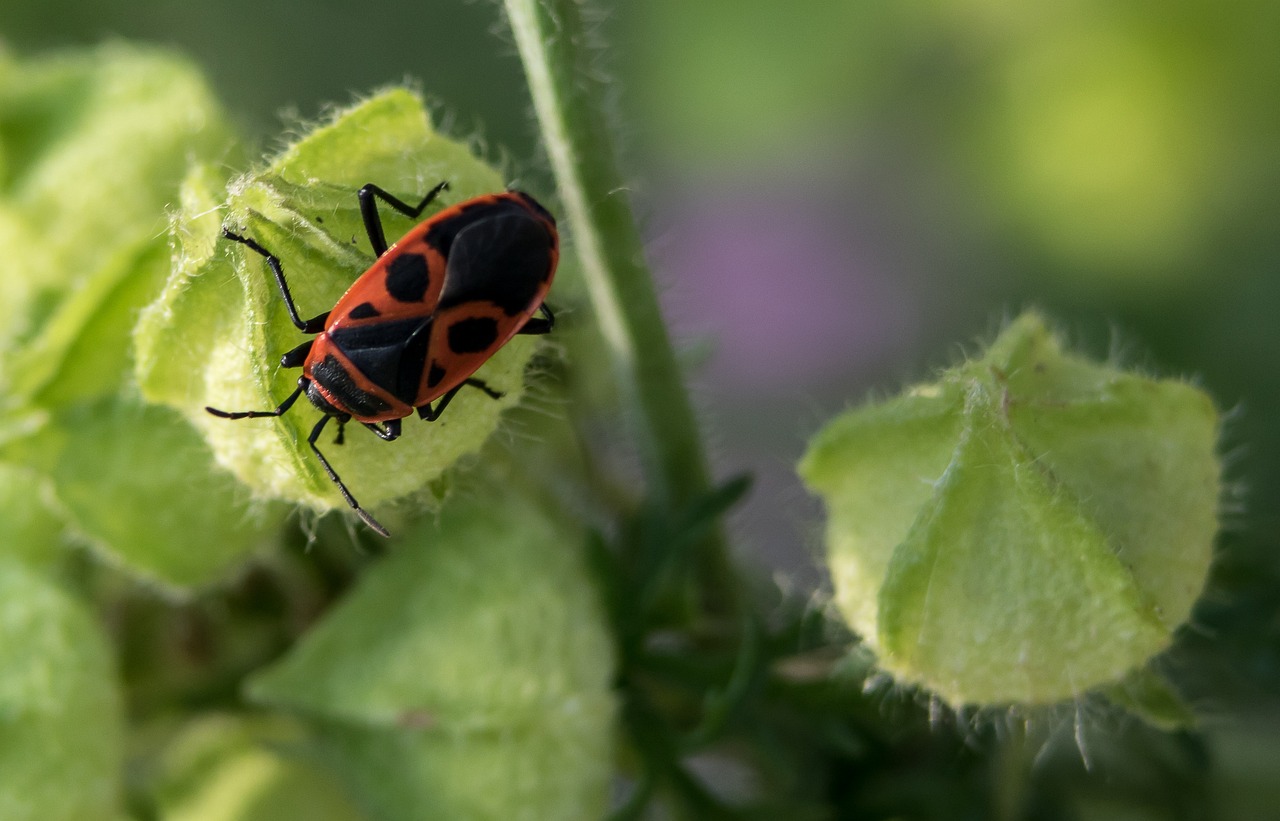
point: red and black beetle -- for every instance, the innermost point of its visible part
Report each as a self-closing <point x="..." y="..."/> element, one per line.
<point x="431" y="309"/>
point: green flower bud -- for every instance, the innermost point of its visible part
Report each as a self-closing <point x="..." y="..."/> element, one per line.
<point x="468" y="675"/>
<point x="1028" y="527"/>
<point x="216" y="334"/>
<point x="61" y="720"/>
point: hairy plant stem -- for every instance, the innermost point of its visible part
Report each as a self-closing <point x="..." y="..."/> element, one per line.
<point x="567" y="96"/>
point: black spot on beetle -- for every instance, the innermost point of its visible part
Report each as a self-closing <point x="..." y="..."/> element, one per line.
<point x="473" y="335"/>
<point x="504" y="258"/>
<point x="436" y="375"/>
<point x="407" y="277"/>
<point x="364" y="310"/>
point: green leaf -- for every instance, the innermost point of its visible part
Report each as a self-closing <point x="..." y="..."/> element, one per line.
<point x="216" y="334"/>
<point x="134" y="481"/>
<point x="148" y="497"/>
<point x="85" y="249"/>
<point x="82" y="352"/>
<point x="61" y="719"/>
<point x="185" y="325"/>
<point x="228" y="769"/>
<point x="94" y="143"/>
<point x="30" y="528"/>
<point x="1149" y="694"/>
<point x="476" y="649"/>
<point x="1031" y="526"/>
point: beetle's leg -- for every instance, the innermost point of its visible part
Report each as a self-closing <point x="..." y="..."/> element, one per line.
<point x="389" y="432"/>
<point x="539" y="325"/>
<point x="341" y="438"/>
<point x="479" y="383"/>
<point x="373" y="223"/>
<point x="431" y="414"/>
<point x="308" y="326"/>
<point x="346" y="494"/>
<point x="279" y="411"/>
<point x="297" y="357"/>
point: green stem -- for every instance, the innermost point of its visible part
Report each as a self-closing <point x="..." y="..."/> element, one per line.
<point x="567" y="97"/>
<point x="549" y="35"/>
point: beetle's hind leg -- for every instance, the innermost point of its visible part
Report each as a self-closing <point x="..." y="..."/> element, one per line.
<point x="346" y="494"/>
<point x="431" y="414"/>
<point x="539" y="325"/>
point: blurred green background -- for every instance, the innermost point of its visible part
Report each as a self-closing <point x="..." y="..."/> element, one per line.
<point x="840" y="195"/>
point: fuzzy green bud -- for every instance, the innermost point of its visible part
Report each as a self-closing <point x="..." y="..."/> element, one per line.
<point x="1030" y="526"/>
<point x="216" y="334"/>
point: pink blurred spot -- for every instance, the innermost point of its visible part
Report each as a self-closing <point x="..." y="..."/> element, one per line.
<point x="781" y="283"/>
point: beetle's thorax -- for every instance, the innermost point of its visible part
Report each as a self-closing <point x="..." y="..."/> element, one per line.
<point x="338" y="385"/>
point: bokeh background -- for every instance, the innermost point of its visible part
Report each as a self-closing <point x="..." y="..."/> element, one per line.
<point x="839" y="196"/>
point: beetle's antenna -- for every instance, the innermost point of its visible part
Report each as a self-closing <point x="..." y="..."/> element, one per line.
<point x="279" y="411"/>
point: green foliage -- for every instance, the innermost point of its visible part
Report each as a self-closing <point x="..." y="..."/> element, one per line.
<point x="87" y="251"/>
<point x="84" y="453"/>
<point x="467" y="675"/>
<point x="222" y="768"/>
<point x="30" y="526"/>
<point x="61" y="722"/>
<point x="1030" y="526"/>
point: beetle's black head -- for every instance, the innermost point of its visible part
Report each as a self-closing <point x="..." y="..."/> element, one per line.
<point x="318" y="399"/>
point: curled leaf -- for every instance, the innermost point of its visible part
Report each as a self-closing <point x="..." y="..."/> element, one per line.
<point x="94" y="144"/>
